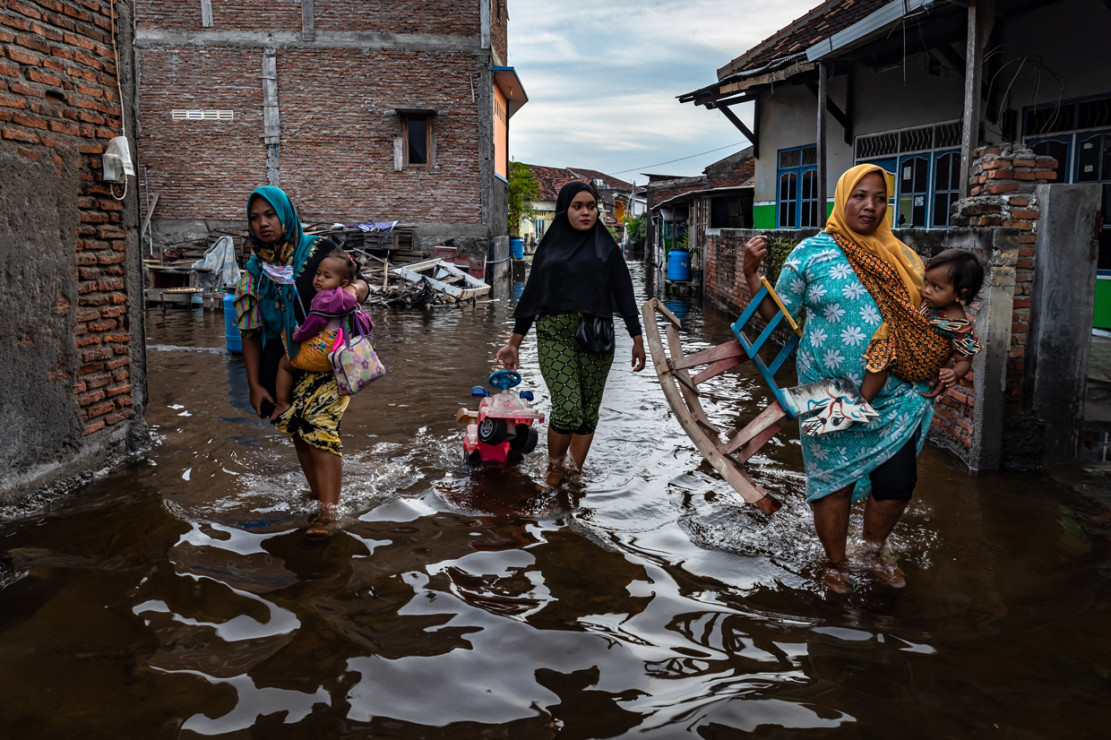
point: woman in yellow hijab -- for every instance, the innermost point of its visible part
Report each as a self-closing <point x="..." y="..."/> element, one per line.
<point x="853" y="279"/>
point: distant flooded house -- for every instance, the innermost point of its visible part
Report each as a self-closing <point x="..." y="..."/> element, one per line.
<point x="361" y="111"/>
<point x="619" y="198"/>
<point x="972" y="106"/>
<point x="686" y="210"/>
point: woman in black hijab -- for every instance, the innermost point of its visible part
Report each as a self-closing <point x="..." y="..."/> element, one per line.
<point x="578" y="274"/>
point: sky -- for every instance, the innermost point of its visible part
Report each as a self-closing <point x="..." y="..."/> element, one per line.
<point x="603" y="78"/>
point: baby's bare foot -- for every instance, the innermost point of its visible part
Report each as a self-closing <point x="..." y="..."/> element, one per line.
<point x="279" y="408"/>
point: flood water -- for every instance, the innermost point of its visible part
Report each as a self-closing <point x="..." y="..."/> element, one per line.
<point x="179" y="598"/>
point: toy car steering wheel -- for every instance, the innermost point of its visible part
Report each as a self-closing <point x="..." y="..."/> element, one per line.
<point x="504" y="379"/>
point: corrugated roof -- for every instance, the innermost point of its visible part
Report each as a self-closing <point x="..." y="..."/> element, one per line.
<point x="818" y="24"/>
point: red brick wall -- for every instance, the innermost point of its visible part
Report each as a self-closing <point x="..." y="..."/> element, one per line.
<point x="458" y="17"/>
<point x="201" y="168"/>
<point x="58" y="102"/>
<point x="362" y="88"/>
<point x="1002" y="181"/>
<point x="336" y="109"/>
<point x="499" y="29"/>
<point x="177" y="15"/>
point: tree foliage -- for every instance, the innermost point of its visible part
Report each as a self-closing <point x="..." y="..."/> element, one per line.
<point x="522" y="189"/>
<point x="638" y="228"/>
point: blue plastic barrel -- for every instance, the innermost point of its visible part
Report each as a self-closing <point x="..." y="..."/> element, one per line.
<point x="678" y="265"/>
<point x="232" y="340"/>
<point x="517" y="248"/>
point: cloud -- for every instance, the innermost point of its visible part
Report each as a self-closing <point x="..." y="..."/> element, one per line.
<point x="603" y="79"/>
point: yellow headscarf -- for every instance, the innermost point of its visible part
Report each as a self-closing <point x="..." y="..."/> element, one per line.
<point x="880" y="242"/>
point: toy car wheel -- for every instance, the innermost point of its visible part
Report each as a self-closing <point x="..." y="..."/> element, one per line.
<point x="472" y="458"/>
<point x="525" y="441"/>
<point x="492" y="431"/>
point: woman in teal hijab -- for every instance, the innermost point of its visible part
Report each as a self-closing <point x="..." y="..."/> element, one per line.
<point x="271" y="301"/>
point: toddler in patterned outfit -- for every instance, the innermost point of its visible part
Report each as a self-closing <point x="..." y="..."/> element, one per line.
<point x="333" y="303"/>
<point x="953" y="278"/>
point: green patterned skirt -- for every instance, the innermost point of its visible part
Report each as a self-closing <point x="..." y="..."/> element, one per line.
<point x="575" y="378"/>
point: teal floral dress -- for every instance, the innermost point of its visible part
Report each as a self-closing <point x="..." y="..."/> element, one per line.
<point x="840" y="320"/>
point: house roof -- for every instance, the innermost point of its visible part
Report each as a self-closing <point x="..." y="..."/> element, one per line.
<point x="551" y="179"/>
<point x="827" y="29"/>
<point x="798" y="36"/>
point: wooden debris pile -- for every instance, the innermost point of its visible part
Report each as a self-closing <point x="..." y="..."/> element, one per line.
<point x="420" y="283"/>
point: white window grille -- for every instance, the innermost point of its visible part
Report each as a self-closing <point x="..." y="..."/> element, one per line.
<point x="202" y="115"/>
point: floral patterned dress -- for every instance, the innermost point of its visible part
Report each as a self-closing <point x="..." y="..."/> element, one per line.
<point x="840" y="320"/>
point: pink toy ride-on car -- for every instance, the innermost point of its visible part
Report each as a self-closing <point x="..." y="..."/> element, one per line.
<point x="502" y="428"/>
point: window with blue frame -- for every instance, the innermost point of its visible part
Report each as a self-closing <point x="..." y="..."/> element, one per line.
<point x="926" y="164"/>
<point x="1093" y="157"/>
<point x="1077" y="133"/>
<point x="797" y="197"/>
<point x="947" y="187"/>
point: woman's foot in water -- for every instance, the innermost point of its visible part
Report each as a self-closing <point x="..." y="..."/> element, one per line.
<point x="881" y="570"/>
<point x="557" y="471"/>
<point x="325" y="523"/>
<point x="836" y="577"/>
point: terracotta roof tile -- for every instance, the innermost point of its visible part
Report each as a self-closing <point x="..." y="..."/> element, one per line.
<point x="819" y="23"/>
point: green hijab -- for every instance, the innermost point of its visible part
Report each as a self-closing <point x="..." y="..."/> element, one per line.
<point x="277" y="302"/>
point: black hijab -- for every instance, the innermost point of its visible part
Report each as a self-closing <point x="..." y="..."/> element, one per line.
<point x="573" y="270"/>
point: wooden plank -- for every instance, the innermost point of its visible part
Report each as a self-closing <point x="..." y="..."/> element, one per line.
<point x="727" y="350"/>
<point x="690" y="394"/>
<point x="771" y="416"/>
<point x="146" y="221"/>
<point x="717" y="368"/>
<point x="736" y="477"/>
<point x="671" y="318"/>
<point x="451" y="290"/>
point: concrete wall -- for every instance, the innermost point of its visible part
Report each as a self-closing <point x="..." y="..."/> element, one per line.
<point x="1061" y="319"/>
<point x="71" y="316"/>
<point x="343" y="71"/>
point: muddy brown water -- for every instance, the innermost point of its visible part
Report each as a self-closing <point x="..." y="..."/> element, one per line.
<point x="179" y="598"/>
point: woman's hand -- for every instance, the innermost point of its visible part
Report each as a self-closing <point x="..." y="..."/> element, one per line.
<point x="508" y="355"/>
<point x="755" y="249"/>
<point x="638" y="353"/>
<point x="258" y="395"/>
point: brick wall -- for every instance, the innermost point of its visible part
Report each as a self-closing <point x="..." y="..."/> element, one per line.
<point x="499" y="29"/>
<point x="337" y="107"/>
<point x="454" y="18"/>
<point x="337" y="154"/>
<point x="1001" y="194"/>
<point x="77" y="335"/>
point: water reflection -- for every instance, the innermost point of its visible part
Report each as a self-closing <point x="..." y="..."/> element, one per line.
<point x="649" y="599"/>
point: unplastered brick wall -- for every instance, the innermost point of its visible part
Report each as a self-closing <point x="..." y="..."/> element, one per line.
<point x="59" y="103"/>
<point x="1002" y="184"/>
<point x="178" y="15"/>
<point x="337" y="109"/>
<point x="499" y="27"/>
<point x="73" y="374"/>
<point x="201" y="168"/>
<point x="453" y="17"/>
<point x="359" y="121"/>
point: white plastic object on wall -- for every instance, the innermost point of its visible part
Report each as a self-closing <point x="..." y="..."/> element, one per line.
<point x="117" y="161"/>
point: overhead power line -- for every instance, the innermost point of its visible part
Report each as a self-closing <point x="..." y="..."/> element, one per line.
<point x="680" y="159"/>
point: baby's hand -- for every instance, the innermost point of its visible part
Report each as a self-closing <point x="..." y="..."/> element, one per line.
<point x="945" y="380"/>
